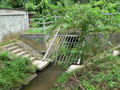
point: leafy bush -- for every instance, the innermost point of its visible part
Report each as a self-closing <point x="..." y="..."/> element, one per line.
<point x="4" y="56"/>
<point x="15" y="72"/>
<point x="5" y="4"/>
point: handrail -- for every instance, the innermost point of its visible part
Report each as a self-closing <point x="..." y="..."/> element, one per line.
<point x="48" y="50"/>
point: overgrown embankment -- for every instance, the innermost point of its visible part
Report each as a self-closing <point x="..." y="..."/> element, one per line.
<point x="103" y="74"/>
<point x="14" y="71"/>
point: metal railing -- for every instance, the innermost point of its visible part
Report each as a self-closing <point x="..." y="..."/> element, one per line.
<point x="43" y="23"/>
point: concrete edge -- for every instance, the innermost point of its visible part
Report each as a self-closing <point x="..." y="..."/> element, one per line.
<point x="73" y="68"/>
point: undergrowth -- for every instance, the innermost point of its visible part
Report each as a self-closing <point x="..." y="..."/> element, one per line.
<point x="14" y="72"/>
<point x="103" y="74"/>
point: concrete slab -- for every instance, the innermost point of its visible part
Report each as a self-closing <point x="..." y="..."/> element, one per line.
<point x="21" y="53"/>
<point x="13" y="47"/>
<point x="40" y="64"/>
<point x="116" y="53"/>
<point x="74" y="67"/>
<point x="17" y="50"/>
<point x="5" y="46"/>
<point x="26" y="56"/>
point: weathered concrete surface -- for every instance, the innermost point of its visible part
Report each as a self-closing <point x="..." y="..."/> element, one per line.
<point x="74" y="67"/>
<point x="29" y="49"/>
<point x="36" y="41"/>
<point x="4" y="11"/>
<point x="106" y="41"/>
<point x="116" y="53"/>
<point x="21" y="51"/>
<point x="77" y="67"/>
<point x="40" y="64"/>
<point x="12" y="21"/>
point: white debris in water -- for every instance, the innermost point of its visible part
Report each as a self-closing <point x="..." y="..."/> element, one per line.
<point x="74" y="67"/>
<point x="40" y="64"/>
<point x="116" y="52"/>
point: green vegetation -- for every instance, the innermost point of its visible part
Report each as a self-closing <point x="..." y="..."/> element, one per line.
<point x="90" y="21"/>
<point x="38" y="31"/>
<point x="88" y="18"/>
<point x="33" y="31"/>
<point x="14" y="71"/>
<point x="103" y="74"/>
<point x="35" y="5"/>
<point x="90" y="24"/>
<point x="8" y="42"/>
<point x="10" y="38"/>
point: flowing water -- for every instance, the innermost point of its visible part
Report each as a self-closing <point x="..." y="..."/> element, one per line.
<point x="46" y="79"/>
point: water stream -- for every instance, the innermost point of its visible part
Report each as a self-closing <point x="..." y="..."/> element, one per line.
<point x="46" y="79"/>
<point x="48" y="76"/>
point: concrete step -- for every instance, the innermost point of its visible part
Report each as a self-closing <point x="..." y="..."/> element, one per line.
<point x="73" y="68"/>
<point x="9" y="45"/>
<point x="11" y="48"/>
<point x="27" y="55"/>
<point x="17" y="50"/>
<point x="40" y="64"/>
<point x="21" y="53"/>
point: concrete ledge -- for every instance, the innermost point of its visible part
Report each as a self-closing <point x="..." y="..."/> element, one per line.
<point x="40" y="64"/>
<point x="116" y="53"/>
<point x="74" y="67"/>
<point x="28" y="80"/>
<point x="31" y="78"/>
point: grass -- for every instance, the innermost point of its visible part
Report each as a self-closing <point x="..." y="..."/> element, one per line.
<point x="34" y="31"/>
<point x="104" y="74"/>
<point x="38" y="31"/>
<point x="14" y="72"/>
<point x="7" y="42"/>
<point x="10" y="38"/>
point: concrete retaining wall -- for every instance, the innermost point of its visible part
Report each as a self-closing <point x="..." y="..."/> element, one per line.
<point x="12" y="21"/>
<point x="36" y="41"/>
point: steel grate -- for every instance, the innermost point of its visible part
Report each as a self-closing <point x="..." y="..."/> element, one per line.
<point x="63" y="49"/>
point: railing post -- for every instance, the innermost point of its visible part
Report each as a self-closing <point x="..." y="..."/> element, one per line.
<point x="44" y="26"/>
